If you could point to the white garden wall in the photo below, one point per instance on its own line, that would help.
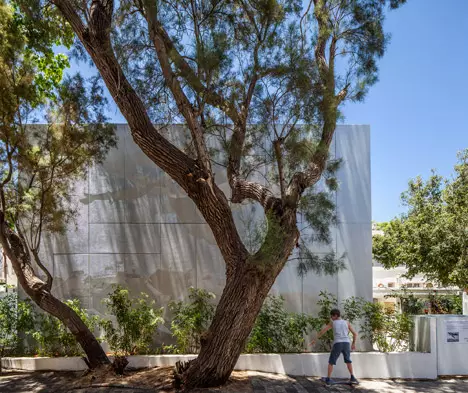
(411, 365)
(366, 364)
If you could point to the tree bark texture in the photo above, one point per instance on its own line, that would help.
(239, 305)
(39, 292)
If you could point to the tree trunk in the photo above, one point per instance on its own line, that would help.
(235, 316)
(240, 303)
(50, 304)
(37, 290)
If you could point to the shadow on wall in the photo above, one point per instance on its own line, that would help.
(138, 228)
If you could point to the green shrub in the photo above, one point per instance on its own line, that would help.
(53, 337)
(411, 305)
(351, 309)
(191, 320)
(389, 331)
(277, 330)
(136, 322)
(438, 303)
(16, 324)
(446, 304)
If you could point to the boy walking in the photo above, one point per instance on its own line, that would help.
(341, 344)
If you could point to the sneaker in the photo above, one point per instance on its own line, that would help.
(353, 380)
(328, 381)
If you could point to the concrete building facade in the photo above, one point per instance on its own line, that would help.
(137, 227)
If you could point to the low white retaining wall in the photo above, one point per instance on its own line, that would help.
(44, 364)
(366, 364)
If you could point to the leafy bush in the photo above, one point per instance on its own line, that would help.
(438, 304)
(191, 320)
(16, 324)
(446, 304)
(389, 331)
(411, 305)
(136, 322)
(54, 338)
(351, 309)
(277, 330)
(386, 329)
(326, 302)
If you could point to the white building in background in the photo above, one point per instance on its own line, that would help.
(386, 282)
(138, 228)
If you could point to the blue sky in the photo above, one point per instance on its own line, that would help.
(417, 109)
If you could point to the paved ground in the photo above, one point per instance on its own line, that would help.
(259, 383)
(273, 384)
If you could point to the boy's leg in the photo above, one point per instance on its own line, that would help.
(334, 354)
(350, 368)
(347, 358)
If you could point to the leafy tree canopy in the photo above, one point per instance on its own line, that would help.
(431, 237)
(258, 83)
(39, 163)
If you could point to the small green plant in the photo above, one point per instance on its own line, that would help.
(326, 302)
(389, 331)
(136, 322)
(351, 308)
(190, 320)
(53, 337)
(16, 324)
(277, 330)
(386, 329)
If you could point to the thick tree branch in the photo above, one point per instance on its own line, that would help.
(240, 129)
(183, 103)
(210, 96)
(243, 189)
(211, 202)
(14, 248)
(49, 279)
(279, 162)
(321, 14)
(169, 157)
(328, 105)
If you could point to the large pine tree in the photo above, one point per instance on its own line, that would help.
(243, 76)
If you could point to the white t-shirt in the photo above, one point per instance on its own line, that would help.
(340, 331)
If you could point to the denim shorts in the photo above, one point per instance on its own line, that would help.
(337, 350)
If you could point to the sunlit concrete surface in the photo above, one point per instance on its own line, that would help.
(136, 227)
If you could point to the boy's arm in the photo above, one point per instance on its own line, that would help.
(355, 335)
(325, 329)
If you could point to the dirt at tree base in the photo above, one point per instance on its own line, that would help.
(158, 379)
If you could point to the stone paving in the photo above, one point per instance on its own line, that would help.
(259, 383)
(272, 384)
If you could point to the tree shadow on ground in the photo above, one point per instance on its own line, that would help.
(243, 382)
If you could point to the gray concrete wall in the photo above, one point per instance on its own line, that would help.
(138, 228)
